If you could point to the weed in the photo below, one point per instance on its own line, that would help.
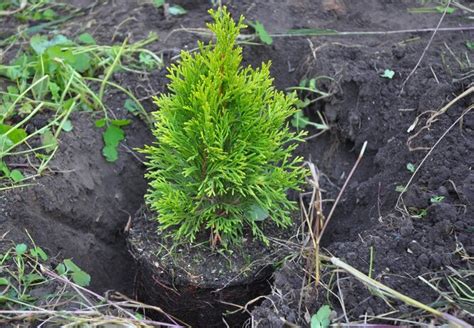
(33, 295)
(400, 188)
(411, 167)
(436, 199)
(307, 88)
(388, 74)
(21, 274)
(417, 213)
(70, 269)
(31, 10)
(174, 10)
(261, 32)
(223, 156)
(322, 318)
(55, 76)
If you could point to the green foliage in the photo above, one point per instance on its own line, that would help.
(261, 32)
(432, 10)
(22, 274)
(174, 10)
(411, 167)
(437, 199)
(388, 74)
(307, 89)
(223, 155)
(55, 76)
(322, 318)
(69, 268)
(32, 10)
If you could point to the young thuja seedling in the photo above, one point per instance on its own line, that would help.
(223, 153)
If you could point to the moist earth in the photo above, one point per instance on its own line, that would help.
(82, 204)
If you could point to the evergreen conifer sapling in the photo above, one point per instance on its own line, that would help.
(222, 159)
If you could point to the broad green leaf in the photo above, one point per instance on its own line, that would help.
(61, 269)
(110, 153)
(146, 60)
(49, 141)
(86, 38)
(5, 144)
(113, 135)
(176, 10)
(299, 121)
(3, 167)
(4, 281)
(470, 45)
(15, 135)
(257, 213)
(67, 126)
(261, 32)
(38, 252)
(411, 167)
(388, 73)
(158, 3)
(130, 105)
(100, 123)
(39, 43)
(12, 90)
(322, 318)
(32, 278)
(82, 62)
(49, 14)
(16, 175)
(71, 266)
(300, 104)
(81, 278)
(58, 53)
(20, 249)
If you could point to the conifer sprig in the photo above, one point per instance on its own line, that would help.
(223, 152)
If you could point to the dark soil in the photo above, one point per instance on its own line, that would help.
(82, 205)
(198, 284)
